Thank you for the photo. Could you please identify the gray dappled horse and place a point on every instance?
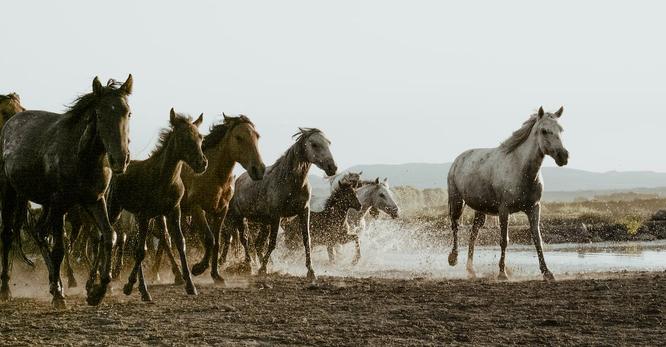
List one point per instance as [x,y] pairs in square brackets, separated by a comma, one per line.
[284,192]
[504,180]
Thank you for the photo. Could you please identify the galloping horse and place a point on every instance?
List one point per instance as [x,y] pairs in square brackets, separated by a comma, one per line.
[207,196]
[505,180]
[373,195]
[62,160]
[284,192]
[328,227]
[152,188]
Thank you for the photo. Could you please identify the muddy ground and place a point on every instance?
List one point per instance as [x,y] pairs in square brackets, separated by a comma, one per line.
[610,308]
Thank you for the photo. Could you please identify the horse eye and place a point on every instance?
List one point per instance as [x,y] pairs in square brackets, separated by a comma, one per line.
[239,139]
[382,195]
[315,146]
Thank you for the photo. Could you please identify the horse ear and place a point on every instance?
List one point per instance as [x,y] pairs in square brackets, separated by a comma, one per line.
[224,115]
[559,112]
[360,173]
[540,113]
[97,87]
[172,117]
[385,179]
[377,180]
[14,96]
[198,121]
[127,86]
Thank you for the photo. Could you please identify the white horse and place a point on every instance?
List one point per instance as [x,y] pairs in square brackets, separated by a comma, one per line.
[372,195]
[354,178]
[504,180]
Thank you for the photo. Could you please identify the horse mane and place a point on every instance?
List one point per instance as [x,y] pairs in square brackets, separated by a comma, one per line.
[165,133]
[519,136]
[333,197]
[219,131]
[81,104]
[10,96]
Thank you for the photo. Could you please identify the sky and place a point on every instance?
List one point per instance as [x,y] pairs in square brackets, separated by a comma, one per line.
[388,82]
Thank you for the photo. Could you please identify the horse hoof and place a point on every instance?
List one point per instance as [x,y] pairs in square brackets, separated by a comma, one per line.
[471,275]
[96,295]
[502,276]
[217,279]
[178,281]
[58,303]
[127,288]
[145,297]
[453,258]
[548,276]
[5,295]
[311,276]
[199,268]
[191,289]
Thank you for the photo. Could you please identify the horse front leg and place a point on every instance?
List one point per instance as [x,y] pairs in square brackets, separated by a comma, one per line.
[200,223]
[103,258]
[164,245]
[139,255]
[304,223]
[357,246]
[9,203]
[533,215]
[504,241]
[218,223]
[57,220]
[455,211]
[176,232]
[275,226]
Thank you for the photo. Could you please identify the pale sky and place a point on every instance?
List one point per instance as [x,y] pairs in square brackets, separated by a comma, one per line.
[388,82]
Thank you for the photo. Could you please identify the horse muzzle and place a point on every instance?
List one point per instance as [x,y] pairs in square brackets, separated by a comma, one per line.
[330,169]
[394,212]
[561,157]
[256,172]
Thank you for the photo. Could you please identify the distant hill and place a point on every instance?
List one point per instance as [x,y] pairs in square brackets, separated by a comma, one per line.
[557,180]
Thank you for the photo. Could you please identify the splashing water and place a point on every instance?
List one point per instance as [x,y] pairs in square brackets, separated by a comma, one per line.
[391,250]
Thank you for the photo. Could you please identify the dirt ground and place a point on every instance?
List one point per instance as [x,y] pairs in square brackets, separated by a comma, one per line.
[611,308]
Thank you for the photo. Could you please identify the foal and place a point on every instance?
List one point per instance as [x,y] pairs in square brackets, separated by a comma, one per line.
[152,188]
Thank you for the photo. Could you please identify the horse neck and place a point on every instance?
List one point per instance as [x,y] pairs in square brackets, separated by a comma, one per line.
[90,147]
[529,158]
[334,206]
[168,163]
[294,168]
[221,163]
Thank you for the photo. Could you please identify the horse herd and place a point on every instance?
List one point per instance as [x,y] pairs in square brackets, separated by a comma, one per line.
[77,166]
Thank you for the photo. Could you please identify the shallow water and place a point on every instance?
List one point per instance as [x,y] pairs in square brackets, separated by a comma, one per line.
[388,252]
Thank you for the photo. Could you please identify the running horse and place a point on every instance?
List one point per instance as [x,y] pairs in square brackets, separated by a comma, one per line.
[504,180]
[153,188]
[283,193]
[59,161]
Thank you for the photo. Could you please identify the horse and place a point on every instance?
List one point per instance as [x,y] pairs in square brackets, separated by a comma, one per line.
[10,105]
[373,195]
[505,180]
[207,196]
[59,161]
[328,227]
[153,189]
[283,193]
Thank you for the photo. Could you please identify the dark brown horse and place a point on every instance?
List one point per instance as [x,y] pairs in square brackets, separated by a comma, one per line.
[152,188]
[329,227]
[283,193]
[207,196]
[59,161]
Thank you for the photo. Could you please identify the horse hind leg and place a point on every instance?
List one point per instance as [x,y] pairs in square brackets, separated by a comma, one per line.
[8,209]
[139,254]
[479,220]
[504,241]
[456,205]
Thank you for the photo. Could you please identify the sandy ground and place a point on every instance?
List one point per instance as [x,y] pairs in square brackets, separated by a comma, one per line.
[609,308]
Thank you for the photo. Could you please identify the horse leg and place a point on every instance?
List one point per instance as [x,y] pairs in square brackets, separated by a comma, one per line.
[176,232]
[275,226]
[331,253]
[103,257]
[139,254]
[200,223]
[479,220]
[304,223]
[243,237]
[164,245]
[73,237]
[57,221]
[218,222]
[157,261]
[9,202]
[260,241]
[357,245]
[456,206]
[504,241]
[120,250]
[228,229]
[533,216]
